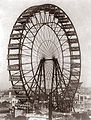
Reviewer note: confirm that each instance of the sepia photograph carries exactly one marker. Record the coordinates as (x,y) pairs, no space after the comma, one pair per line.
(45,60)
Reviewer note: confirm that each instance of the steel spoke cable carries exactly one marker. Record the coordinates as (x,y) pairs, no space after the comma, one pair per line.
(36,37)
(43,45)
(36,30)
(43,31)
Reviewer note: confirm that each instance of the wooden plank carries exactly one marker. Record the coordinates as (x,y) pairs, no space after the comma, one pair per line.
(75,48)
(22,20)
(75,65)
(14,46)
(73,41)
(75,56)
(71,33)
(16,36)
(67,26)
(15,78)
(14,67)
(18,27)
(13,56)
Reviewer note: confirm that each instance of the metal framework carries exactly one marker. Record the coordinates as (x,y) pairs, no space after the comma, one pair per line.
(44,57)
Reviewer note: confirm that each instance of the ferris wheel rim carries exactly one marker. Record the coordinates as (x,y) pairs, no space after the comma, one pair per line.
(36,8)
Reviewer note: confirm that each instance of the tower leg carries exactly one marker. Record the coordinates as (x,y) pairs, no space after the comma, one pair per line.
(50,106)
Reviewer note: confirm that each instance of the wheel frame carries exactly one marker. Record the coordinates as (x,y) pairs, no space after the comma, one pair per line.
(31,11)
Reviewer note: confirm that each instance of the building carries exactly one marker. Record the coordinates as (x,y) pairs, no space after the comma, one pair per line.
(83,99)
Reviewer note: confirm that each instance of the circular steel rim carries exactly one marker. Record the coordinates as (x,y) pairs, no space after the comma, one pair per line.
(43,7)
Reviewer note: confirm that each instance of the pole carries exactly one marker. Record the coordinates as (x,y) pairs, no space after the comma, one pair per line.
(50,106)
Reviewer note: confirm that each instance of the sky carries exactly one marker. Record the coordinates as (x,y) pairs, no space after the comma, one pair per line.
(79,12)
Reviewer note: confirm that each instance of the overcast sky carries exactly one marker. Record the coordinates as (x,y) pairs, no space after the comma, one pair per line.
(79,12)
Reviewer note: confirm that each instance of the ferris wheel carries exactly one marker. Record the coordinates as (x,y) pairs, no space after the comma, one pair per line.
(44,57)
